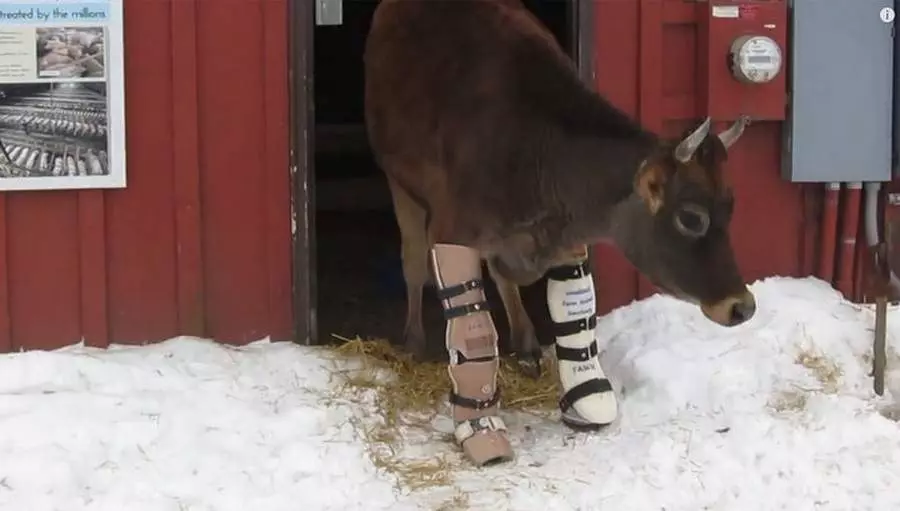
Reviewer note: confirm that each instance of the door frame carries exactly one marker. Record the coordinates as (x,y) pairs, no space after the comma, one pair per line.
(301,28)
(301,77)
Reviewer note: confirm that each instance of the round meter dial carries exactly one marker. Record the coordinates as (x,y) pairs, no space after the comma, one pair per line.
(755,59)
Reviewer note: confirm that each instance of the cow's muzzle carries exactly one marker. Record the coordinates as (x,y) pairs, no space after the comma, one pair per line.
(731,311)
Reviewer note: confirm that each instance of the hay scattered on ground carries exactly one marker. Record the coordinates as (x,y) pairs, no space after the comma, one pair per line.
(409,394)
(824,369)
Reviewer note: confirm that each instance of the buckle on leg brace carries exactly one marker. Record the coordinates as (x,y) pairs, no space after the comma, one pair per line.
(475,404)
(457,290)
(467,429)
(574,326)
(578,354)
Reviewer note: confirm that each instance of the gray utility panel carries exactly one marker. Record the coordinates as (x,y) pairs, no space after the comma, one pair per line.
(841,82)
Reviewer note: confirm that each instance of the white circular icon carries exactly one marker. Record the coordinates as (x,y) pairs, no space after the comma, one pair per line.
(887,15)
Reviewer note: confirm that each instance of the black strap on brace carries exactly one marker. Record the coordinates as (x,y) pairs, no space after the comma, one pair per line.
(569,271)
(573,327)
(583,389)
(475,404)
(577,354)
(458,289)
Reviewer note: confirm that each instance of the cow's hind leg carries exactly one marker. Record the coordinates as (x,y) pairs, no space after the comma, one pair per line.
(411,220)
(522,336)
(588,400)
(471,340)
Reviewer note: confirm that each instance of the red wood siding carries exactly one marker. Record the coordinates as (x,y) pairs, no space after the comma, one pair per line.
(646,63)
(200,241)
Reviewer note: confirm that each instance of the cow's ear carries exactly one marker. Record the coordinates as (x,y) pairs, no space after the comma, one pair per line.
(650,183)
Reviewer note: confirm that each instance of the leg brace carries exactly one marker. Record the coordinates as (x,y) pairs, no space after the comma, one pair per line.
(588,400)
(471,341)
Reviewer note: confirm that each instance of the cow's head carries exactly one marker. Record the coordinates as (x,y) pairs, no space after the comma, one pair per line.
(678,233)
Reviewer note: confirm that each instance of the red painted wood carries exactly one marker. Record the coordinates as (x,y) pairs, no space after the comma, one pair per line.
(616,64)
(92,258)
(43,269)
(5,324)
(277,162)
(812,208)
(650,88)
(232,152)
(141,267)
(768,216)
(186,168)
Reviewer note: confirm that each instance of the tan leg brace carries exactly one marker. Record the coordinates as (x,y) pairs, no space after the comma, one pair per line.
(588,400)
(471,341)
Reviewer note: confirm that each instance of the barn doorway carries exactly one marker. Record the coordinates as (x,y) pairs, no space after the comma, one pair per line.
(359,288)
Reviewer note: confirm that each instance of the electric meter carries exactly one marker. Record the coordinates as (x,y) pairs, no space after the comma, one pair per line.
(755,59)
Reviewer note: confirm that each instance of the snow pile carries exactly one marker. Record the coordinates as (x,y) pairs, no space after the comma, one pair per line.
(183,425)
(776,414)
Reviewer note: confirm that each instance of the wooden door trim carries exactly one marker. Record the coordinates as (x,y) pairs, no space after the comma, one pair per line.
(581,35)
(302,123)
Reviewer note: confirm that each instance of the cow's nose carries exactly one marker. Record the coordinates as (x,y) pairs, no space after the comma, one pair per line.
(732,311)
(742,309)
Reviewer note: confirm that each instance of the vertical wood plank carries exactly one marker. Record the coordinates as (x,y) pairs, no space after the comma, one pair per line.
(186,168)
(92,259)
(616,49)
(43,268)
(5,320)
(277,168)
(650,91)
(233,188)
(140,219)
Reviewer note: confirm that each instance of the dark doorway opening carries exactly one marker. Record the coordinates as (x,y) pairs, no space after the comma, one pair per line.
(359,280)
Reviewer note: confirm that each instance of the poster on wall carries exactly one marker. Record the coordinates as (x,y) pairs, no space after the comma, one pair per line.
(62,112)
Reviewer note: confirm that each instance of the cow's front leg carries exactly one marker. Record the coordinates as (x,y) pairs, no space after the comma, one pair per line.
(471,340)
(588,400)
(522,336)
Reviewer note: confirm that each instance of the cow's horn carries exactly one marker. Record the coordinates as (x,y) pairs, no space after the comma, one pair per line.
(732,134)
(689,145)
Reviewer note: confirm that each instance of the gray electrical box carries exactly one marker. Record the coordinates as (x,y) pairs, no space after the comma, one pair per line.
(841,79)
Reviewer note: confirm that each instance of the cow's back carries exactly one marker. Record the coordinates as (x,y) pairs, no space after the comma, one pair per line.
(444,97)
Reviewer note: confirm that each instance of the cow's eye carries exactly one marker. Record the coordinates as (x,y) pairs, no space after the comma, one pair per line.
(692,220)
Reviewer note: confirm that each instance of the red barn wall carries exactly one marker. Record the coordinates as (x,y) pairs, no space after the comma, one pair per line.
(199,242)
(646,63)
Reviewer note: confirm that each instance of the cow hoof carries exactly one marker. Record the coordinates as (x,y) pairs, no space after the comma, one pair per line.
(530,364)
(416,350)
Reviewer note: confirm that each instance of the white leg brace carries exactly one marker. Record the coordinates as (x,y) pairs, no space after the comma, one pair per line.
(588,400)
(471,341)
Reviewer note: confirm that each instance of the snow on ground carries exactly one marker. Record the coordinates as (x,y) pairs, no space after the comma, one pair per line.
(776,414)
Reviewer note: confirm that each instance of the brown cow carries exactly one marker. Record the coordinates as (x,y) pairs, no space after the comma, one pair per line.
(491,141)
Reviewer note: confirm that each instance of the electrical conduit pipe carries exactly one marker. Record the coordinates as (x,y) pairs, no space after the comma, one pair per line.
(850,205)
(829,232)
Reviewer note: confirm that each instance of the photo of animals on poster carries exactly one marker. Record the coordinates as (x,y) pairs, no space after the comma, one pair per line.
(61,95)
